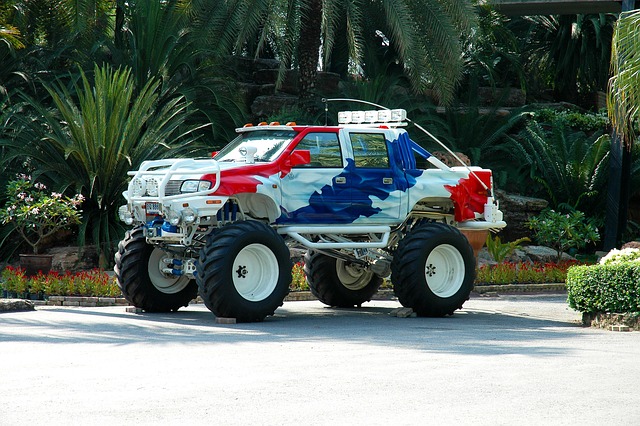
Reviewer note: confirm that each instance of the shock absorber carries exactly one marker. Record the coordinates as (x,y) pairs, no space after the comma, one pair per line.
(174,267)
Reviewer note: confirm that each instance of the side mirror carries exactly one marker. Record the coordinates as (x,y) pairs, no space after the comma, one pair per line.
(214,153)
(300,157)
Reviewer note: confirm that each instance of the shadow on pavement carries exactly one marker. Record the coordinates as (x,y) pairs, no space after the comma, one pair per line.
(470,331)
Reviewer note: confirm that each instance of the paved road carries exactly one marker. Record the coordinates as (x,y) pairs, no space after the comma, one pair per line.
(516,360)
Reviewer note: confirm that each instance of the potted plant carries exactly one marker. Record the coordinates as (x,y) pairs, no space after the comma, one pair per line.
(36,215)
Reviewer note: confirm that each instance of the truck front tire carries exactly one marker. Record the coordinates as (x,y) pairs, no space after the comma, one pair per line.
(244,271)
(433,270)
(139,275)
(339,283)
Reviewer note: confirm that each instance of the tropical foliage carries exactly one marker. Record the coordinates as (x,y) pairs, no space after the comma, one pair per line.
(89,89)
(569,52)
(624,96)
(567,165)
(422,37)
(94,133)
(563,231)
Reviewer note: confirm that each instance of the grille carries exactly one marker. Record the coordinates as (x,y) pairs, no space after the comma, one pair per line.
(172,188)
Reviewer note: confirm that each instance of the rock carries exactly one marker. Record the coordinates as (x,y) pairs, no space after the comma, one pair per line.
(484,258)
(631,244)
(524,254)
(543,254)
(74,259)
(244,68)
(450,160)
(15,305)
(248,92)
(265,106)
(297,255)
(289,82)
(328,83)
(506,97)
(517,211)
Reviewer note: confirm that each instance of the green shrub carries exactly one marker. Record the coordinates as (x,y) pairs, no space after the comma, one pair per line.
(499,250)
(563,231)
(604,288)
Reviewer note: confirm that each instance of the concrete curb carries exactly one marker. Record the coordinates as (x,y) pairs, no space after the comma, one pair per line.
(521,288)
(385,294)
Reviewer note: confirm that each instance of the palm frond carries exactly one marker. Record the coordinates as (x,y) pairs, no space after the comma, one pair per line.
(623,97)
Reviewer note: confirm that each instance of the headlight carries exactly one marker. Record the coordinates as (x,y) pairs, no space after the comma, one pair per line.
(194,186)
(139,186)
(152,186)
(125,215)
(173,217)
(188,216)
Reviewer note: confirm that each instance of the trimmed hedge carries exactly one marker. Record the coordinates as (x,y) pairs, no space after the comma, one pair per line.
(613,288)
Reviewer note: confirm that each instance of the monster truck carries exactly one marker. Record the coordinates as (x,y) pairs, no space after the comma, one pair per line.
(352,195)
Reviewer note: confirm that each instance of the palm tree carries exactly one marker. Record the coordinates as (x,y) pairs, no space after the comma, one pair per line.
(423,34)
(572,51)
(166,41)
(623,102)
(624,85)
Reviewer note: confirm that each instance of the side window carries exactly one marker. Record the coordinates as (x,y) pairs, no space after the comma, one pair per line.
(324,149)
(369,150)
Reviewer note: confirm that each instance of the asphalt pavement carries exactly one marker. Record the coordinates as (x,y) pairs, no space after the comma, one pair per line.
(510,360)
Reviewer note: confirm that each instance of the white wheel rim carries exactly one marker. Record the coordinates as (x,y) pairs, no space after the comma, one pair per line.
(255,272)
(352,276)
(444,270)
(168,284)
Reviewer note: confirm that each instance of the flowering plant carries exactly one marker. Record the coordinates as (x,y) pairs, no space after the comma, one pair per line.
(87,283)
(616,256)
(36,214)
(563,231)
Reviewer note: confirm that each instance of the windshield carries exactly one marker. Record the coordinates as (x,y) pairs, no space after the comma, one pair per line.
(268,143)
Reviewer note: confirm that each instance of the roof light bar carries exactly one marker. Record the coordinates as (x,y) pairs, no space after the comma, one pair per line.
(371,117)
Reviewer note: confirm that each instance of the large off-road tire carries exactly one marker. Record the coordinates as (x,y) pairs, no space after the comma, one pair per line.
(244,271)
(433,270)
(338,283)
(139,274)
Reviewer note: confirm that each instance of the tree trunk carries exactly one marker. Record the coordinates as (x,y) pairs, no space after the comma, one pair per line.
(119,24)
(309,49)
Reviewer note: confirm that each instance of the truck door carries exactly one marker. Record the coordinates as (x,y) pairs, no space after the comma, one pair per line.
(317,193)
(376,181)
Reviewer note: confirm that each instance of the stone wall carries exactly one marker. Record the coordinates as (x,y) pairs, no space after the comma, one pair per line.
(517,211)
(257,82)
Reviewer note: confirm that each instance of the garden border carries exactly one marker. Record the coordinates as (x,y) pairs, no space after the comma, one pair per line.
(385,294)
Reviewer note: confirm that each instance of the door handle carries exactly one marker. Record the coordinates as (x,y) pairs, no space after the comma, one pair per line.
(387,181)
(341,179)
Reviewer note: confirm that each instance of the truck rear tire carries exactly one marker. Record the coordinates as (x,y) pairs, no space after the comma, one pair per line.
(433,270)
(339,283)
(244,271)
(139,275)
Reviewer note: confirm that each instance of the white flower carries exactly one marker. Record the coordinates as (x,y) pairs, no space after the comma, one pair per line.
(619,256)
